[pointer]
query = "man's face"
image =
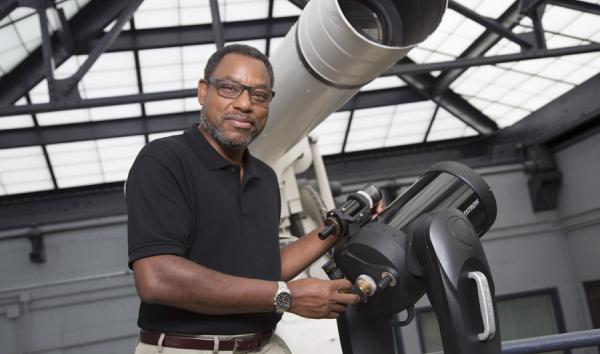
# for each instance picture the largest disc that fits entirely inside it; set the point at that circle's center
(234, 123)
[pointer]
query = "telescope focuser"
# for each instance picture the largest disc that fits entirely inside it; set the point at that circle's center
(355, 212)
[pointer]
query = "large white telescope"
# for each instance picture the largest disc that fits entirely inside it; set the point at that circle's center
(336, 47)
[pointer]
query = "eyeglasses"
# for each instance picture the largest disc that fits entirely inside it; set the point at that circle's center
(232, 89)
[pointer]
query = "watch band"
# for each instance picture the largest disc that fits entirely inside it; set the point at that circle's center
(283, 298)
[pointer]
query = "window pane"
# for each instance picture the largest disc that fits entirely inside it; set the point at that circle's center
(592, 292)
(520, 317)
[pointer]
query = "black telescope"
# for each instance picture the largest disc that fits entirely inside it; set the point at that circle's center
(426, 241)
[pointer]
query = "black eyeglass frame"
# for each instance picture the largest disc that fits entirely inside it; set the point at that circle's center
(250, 89)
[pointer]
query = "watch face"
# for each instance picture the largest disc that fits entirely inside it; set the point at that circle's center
(283, 300)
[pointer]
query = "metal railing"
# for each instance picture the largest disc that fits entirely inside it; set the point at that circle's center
(562, 341)
(571, 340)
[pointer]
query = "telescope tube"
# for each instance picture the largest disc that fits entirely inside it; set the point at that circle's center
(335, 48)
(446, 185)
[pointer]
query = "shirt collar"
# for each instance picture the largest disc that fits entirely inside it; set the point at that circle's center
(212, 159)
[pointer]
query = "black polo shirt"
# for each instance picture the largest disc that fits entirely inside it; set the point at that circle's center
(184, 199)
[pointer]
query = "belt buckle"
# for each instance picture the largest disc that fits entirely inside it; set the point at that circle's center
(235, 344)
(238, 341)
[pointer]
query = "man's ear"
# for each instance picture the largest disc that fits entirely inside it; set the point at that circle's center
(202, 90)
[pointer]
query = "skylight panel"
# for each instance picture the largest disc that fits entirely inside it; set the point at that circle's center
(17, 121)
(115, 112)
(512, 117)
(559, 70)
(454, 34)
(157, 13)
(582, 74)
(117, 155)
(331, 132)
(64, 117)
(163, 107)
(557, 18)
(492, 92)
(194, 12)
(490, 8)
(369, 128)
(162, 69)
(28, 27)
(14, 122)
(557, 41)
(515, 98)
(447, 126)
(75, 164)
(242, 10)
(467, 87)
(535, 85)
(383, 83)
(504, 46)
(12, 50)
(533, 66)
(260, 44)
(110, 71)
(163, 134)
(191, 104)
(274, 45)
(496, 110)
(194, 60)
(23, 170)
(585, 26)
(282, 8)
(556, 89)
(409, 123)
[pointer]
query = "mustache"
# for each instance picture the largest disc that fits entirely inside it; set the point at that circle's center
(240, 117)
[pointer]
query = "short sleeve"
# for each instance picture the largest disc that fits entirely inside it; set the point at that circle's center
(159, 218)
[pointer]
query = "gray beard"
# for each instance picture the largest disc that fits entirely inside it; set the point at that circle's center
(217, 134)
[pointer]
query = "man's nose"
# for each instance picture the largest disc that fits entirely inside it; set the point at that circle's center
(243, 102)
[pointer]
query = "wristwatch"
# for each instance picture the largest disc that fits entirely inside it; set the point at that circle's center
(283, 298)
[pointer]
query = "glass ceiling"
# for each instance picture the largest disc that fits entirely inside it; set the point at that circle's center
(506, 93)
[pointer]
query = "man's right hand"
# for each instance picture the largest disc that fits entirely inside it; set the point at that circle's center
(319, 298)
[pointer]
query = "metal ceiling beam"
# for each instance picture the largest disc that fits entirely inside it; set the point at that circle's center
(362, 100)
(577, 5)
(463, 63)
(54, 134)
(7, 7)
(424, 84)
(509, 19)
(579, 106)
(193, 35)
(491, 25)
(299, 3)
(98, 102)
(88, 23)
(87, 27)
(217, 24)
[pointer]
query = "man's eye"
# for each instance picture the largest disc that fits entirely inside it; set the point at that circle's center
(229, 87)
(260, 96)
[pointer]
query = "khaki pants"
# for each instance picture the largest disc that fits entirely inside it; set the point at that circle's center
(275, 346)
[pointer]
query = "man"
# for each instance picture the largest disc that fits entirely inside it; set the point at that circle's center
(203, 227)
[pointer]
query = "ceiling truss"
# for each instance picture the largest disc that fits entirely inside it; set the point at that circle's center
(84, 34)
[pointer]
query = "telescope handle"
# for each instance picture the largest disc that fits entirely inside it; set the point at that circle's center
(486, 305)
(458, 282)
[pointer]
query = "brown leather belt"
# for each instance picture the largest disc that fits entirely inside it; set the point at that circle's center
(244, 343)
